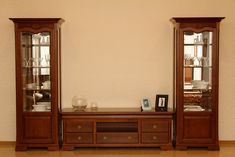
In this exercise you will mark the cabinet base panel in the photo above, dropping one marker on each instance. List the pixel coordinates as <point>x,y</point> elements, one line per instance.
<point>26,147</point>
<point>209,147</point>
<point>72,147</point>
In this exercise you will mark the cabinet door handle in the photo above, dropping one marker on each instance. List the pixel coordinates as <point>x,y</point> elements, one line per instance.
<point>129,137</point>
<point>154,126</point>
<point>104,137</point>
<point>79,138</point>
<point>79,126</point>
<point>154,138</point>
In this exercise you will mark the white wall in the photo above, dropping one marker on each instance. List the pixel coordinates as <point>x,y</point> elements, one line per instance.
<point>115,52</point>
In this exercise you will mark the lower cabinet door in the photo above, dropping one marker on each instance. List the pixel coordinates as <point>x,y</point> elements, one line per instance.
<point>79,138</point>
<point>198,129</point>
<point>155,138</point>
<point>37,129</point>
<point>116,138</point>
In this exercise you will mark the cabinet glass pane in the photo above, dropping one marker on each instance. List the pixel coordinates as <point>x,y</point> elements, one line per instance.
<point>197,71</point>
<point>36,84</point>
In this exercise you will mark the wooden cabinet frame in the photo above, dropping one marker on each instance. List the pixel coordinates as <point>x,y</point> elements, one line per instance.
<point>195,129</point>
<point>37,129</point>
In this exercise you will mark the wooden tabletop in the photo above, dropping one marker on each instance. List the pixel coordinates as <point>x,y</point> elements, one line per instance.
<point>116,111</point>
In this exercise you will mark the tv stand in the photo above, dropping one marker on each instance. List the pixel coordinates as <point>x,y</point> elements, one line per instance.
<point>116,127</point>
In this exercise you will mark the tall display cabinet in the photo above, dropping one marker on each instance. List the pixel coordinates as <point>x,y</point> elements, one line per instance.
<point>37,56</point>
<point>196,72</point>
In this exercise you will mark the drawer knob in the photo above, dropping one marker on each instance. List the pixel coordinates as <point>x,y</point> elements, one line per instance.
<point>154,138</point>
<point>104,137</point>
<point>154,126</point>
<point>79,137</point>
<point>129,137</point>
<point>79,126</point>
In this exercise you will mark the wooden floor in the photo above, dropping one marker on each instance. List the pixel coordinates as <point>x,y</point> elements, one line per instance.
<point>226,150</point>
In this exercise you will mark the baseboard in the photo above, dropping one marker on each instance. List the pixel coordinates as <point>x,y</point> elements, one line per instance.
<point>227,143</point>
<point>7,142</point>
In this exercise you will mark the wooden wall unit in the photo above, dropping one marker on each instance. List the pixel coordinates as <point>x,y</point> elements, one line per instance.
<point>196,75</point>
<point>121,127</point>
<point>37,51</point>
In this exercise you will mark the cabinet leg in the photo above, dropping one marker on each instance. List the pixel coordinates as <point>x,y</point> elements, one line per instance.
<point>21,148</point>
<point>166,147</point>
<point>67,148</point>
<point>53,148</point>
<point>177,147</point>
<point>214,147</point>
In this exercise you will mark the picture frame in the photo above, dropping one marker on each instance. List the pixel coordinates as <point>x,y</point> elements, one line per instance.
<point>145,104</point>
<point>161,103</point>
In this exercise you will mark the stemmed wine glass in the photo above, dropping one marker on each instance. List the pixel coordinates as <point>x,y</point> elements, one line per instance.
<point>199,60</point>
<point>187,58</point>
<point>47,58</point>
<point>26,62</point>
<point>206,61</point>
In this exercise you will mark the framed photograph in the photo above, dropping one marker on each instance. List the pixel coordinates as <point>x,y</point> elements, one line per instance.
<point>145,104</point>
<point>161,103</point>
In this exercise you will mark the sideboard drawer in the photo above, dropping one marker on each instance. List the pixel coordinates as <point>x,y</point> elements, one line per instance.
<point>116,138</point>
<point>155,138</point>
<point>155,126</point>
<point>81,138</point>
<point>74,125</point>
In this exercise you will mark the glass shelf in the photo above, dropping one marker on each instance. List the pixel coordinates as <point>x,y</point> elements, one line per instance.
<point>196,66</point>
<point>202,44</point>
<point>36,89</point>
<point>36,66</point>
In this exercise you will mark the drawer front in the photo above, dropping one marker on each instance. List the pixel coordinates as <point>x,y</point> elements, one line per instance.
<point>155,138</point>
<point>155,126</point>
<point>117,138</point>
<point>78,126</point>
<point>80,138</point>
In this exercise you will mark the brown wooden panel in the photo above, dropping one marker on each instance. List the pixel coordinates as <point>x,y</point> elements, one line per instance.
<point>79,138</point>
<point>197,127</point>
<point>155,138</point>
<point>37,127</point>
<point>116,129</point>
<point>155,125</point>
<point>116,138</point>
<point>75,125</point>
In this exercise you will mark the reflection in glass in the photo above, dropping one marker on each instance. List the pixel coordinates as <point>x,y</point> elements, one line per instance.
<point>197,71</point>
<point>35,50</point>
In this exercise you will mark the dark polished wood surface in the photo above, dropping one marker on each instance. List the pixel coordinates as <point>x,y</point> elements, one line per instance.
<point>116,127</point>
<point>114,111</point>
<point>37,129</point>
<point>195,129</point>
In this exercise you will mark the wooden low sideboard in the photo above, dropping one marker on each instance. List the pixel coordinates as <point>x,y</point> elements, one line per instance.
<point>116,127</point>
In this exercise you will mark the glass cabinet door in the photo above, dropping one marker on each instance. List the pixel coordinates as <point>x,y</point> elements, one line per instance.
<point>35,52</point>
<point>198,71</point>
